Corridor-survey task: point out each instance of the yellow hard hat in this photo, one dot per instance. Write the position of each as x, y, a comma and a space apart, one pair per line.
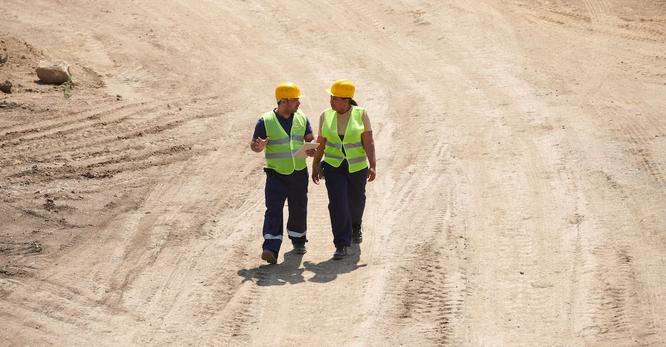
287, 90
342, 89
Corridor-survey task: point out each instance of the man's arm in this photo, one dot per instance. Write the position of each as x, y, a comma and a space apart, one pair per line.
309, 136
259, 138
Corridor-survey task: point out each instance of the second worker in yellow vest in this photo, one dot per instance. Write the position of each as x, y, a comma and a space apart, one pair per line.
348, 151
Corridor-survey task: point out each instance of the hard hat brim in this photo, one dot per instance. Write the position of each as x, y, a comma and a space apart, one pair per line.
298, 97
331, 93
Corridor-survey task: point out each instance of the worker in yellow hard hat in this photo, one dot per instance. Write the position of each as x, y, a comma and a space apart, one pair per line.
348, 151
280, 133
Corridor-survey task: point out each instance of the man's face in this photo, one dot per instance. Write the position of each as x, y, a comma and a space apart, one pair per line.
291, 105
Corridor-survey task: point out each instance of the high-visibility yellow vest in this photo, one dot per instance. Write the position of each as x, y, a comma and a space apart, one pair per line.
354, 152
280, 149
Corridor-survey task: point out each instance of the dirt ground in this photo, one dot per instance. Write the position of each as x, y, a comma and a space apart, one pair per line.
520, 198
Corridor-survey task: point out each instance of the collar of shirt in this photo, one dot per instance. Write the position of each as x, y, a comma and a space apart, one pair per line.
280, 117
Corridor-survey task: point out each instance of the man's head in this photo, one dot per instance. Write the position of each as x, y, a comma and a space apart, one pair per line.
287, 95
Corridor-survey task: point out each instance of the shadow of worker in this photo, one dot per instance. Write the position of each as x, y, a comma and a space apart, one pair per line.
289, 271
328, 270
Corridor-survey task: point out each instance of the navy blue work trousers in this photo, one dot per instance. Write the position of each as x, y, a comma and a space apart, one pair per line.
346, 200
294, 189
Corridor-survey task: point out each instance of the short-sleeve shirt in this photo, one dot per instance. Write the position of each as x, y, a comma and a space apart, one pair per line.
260, 127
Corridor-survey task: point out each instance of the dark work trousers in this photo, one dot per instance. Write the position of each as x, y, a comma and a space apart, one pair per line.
294, 189
346, 200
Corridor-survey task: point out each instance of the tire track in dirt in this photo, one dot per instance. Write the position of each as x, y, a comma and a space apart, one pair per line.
102, 164
147, 131
162, 300
33, 329
229, 314
54, 120
110, 167
242, 312
409, 299
96, 155
607, 300
57, 127
639, 137
596, 9
414, 186
427, 293
437, 314
121, 120
518, 238
647, 30
74, 135
218, 293
607, 303
60, 305
150, 252
644, 31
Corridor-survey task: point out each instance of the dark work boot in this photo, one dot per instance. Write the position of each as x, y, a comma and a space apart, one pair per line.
340, 252
299, 248
269, 256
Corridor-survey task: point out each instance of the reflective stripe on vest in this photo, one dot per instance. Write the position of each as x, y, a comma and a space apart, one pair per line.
353, 147
281, 147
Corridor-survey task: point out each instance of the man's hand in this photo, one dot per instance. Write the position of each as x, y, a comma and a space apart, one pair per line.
312, 152
258, 144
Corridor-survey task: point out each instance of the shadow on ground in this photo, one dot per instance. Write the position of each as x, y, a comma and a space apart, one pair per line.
328, 270
290, 270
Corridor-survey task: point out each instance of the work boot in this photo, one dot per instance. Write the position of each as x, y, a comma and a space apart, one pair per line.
300, 248
269, 256
357, 235
340, 252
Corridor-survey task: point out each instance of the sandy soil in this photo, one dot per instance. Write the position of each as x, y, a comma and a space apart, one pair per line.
520, 197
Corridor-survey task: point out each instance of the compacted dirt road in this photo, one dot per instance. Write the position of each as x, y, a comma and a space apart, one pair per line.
520, 199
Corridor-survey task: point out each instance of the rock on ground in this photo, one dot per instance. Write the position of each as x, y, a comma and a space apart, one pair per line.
6, 87
53, 73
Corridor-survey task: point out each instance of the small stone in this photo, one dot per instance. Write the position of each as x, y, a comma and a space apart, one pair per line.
36, 247
50, 205
6, 87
